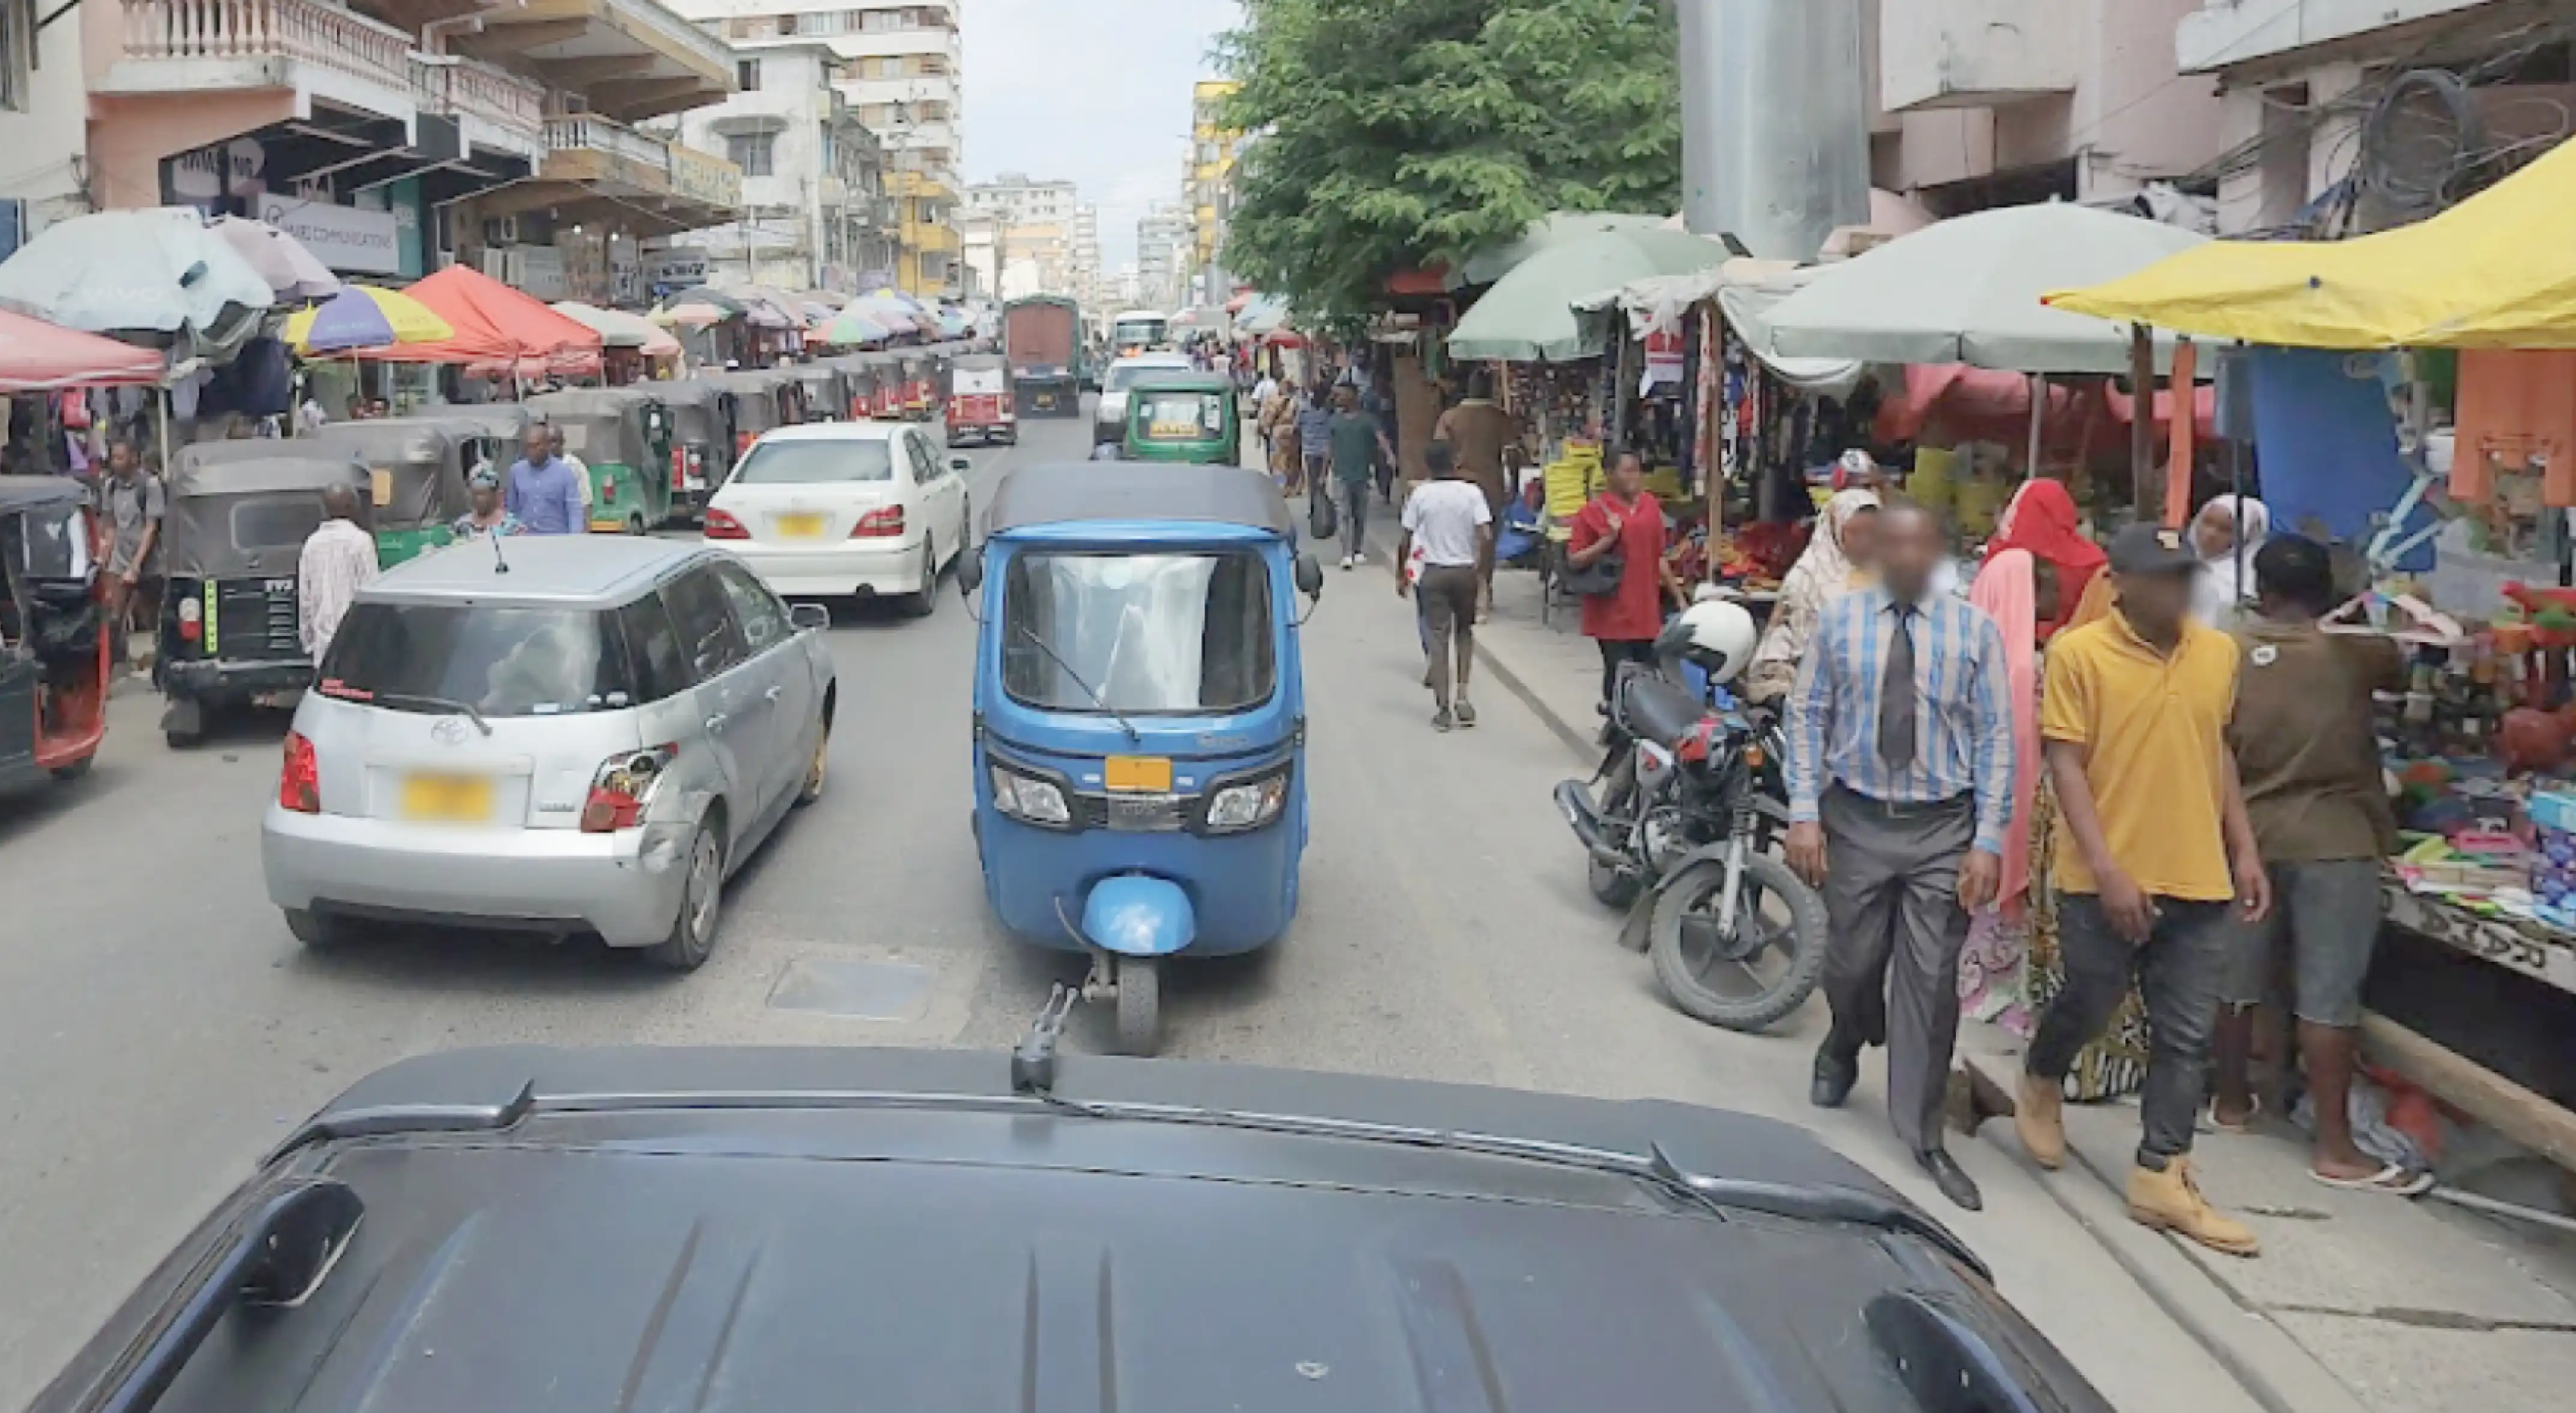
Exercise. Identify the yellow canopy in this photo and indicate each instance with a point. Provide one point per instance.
(2495, 271)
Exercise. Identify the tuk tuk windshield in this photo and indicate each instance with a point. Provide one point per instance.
(821, 461)
(502, 661)
(274, 522)
(1170, 633)
(1179, 416)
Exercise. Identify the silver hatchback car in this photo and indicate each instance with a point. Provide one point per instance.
(574, 733)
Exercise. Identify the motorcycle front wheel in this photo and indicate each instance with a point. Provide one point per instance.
(1744, 973)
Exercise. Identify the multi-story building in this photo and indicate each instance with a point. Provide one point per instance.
(814, 211)
(902, 61)
(1164, 243)
(1036, 220)
(980, 253)
(388, 135)
(1981, 103)
(1086, 255)
(1213, 149)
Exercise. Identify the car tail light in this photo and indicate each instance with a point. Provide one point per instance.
(879, 524)
(608, 491)
(679, 468)
(720, 525)
(623, 787)
(192, 624)
(299, 779)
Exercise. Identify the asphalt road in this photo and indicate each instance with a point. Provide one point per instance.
(159, 1028)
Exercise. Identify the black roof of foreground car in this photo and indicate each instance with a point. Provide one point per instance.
(530, 1229)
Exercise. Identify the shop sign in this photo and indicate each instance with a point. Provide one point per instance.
(1664, 359)
(676, 267)
(209, 174)
(343, 237)
(700, 177)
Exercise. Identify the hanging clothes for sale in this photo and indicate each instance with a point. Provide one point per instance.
(2325, 433)
(257, 383)
(2516, 407)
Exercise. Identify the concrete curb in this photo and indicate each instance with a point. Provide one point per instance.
(2272, 1368)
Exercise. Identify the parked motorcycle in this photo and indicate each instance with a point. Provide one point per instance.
(1690, 796)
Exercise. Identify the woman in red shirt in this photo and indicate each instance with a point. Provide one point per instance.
(1625, 519)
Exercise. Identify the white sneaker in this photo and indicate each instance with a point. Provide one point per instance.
(1348, 560)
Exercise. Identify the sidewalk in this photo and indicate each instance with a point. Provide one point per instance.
(2358, 1302)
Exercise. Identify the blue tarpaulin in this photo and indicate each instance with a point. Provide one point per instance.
(2325, 436)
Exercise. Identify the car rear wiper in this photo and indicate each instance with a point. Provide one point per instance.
(1097, 700)
(463, 709)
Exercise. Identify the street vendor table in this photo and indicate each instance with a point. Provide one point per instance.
(2534, 949)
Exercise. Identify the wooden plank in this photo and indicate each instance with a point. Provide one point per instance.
(2527, 1118)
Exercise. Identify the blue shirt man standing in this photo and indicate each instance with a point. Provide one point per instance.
(544, 492)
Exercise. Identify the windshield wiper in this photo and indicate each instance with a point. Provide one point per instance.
(463, 709)
(1097, 700)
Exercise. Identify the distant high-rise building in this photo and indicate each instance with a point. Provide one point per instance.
(1164, 243)
(1035, 227)
(1213, 150)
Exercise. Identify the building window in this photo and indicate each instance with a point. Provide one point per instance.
(931, 63)
(888, 66)
(746, 75)
(755, 152)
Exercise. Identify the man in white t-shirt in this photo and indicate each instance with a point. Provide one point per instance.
(580, 471)
(1448, 519)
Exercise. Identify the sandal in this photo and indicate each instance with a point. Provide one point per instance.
(2391, 1179)
(2219, 1125)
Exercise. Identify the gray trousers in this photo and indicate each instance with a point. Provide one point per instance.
(1892, 961)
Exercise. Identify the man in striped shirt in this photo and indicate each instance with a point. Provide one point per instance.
(1900, 773)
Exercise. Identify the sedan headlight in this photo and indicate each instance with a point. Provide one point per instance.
(1026, 798)
(1250, 805)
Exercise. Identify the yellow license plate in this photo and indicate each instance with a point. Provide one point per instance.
(801, 527)
(1174, 431)
(1142, 773)
(447, 799)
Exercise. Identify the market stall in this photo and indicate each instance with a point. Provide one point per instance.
(2413, 395)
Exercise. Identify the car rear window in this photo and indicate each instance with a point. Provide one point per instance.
(818, 462)
(501, 661)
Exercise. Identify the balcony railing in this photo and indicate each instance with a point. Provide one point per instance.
(303, 30)
(480, 90)
(588, 132)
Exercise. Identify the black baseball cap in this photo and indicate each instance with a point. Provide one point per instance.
(2151, 549)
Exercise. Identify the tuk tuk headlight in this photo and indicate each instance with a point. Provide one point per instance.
(1029, 799)
(1247, 804)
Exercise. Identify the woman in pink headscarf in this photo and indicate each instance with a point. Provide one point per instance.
(2019, 593)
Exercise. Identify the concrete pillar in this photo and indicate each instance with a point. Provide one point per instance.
(1775, 122)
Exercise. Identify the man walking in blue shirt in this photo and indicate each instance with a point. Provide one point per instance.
(1901, 764)
(544, 491)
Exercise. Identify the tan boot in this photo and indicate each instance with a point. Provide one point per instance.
(2039, 1117)
(2171, 1201)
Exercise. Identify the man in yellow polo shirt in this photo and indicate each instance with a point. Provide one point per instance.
(2154, 850)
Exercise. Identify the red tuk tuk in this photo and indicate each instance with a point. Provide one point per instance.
(980, 400)
(56, 645)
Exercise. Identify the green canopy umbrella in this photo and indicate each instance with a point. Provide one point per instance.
(1528, 316)
(1553, 229)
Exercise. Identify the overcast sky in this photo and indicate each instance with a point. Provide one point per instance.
(1092, 91)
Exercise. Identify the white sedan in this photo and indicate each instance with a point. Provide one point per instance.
(832, 509)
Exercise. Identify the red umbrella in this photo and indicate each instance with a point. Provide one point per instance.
(494, 324)
(36, 356)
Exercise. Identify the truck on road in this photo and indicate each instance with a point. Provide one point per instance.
(1042, 338)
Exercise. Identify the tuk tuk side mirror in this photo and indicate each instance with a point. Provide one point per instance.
(1310, 575)
(970, 573)
(809, 615)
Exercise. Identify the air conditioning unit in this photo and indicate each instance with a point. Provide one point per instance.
(501, 230)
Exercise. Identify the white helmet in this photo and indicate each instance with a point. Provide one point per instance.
(1715, 633)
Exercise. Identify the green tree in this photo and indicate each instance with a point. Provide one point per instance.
(1396, 133)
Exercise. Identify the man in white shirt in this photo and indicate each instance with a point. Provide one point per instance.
(1448, 518)
(580, 471)
(339, 559)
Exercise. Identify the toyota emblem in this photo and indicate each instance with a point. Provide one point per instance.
(448, 732)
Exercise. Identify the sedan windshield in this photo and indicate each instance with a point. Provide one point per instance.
(1185, 633)
(1123, 376)
(807, 463)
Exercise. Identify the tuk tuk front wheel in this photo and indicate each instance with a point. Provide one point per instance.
(1140, 1006)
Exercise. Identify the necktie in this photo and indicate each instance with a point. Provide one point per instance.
(1896, 694)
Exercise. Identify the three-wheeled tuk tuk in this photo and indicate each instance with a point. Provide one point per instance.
(237, 519)
(701, 438)
(624, 436)
(826, 392)
(979, 400)
(858, 385)
(919, 388)
(55, 647)
(885, 387)
(1139, 757)
(418, 466)
(1186, 417)
(764, 399)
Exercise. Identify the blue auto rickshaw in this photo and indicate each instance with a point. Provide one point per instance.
(1140, 718)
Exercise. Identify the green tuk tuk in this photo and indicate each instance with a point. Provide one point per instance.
(237, 516)
(418, 466)
(702, 454)
(1185, 417)
(624, 436)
